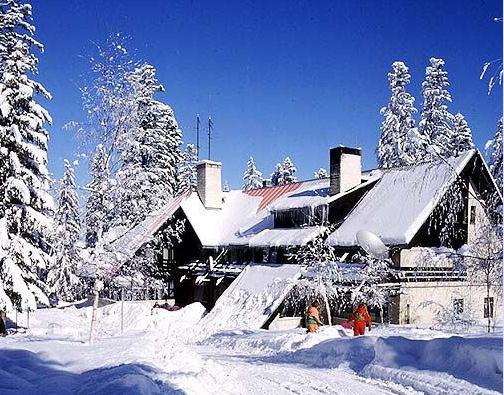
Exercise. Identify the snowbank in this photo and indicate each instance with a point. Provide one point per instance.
(137, 317)
(266, 342)
(424, 365)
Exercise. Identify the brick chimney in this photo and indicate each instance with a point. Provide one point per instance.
(345, 169)
(209, 183)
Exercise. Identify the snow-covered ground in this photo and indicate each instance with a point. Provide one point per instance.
(162, 352)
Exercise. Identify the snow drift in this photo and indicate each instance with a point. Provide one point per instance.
(475, 360)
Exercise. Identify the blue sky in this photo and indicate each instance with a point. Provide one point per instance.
(278, 77)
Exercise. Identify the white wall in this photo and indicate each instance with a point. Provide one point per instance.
(426, 298)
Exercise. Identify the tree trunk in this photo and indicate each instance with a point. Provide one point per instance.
(488, 305)
(93, 314)
(327, 307)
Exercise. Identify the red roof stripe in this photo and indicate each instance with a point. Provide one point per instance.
(269, 195)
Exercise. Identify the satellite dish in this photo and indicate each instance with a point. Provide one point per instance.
(372, 244)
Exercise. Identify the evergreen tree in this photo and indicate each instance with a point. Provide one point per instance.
(284, 173)
(25, 204)
(462, 135)
(150, 153)
(436, 122)
(495, 148)
(252, 178)
(98, 204)
(187, 170)
(320, 173)
(288, 171)
(276, 176)
(396, 146)
(62, 277)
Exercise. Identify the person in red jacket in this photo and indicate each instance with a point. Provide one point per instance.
(360, 319)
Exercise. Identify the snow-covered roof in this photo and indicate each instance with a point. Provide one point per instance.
(282, 237)
(307, 194)
(129, 242)
(400, 202)
(252, 298)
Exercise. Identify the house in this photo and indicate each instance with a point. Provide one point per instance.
(406, 207)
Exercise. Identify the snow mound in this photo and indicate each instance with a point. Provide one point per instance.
(137, 317)
(266, 342)
(425, 365)
(25, 372)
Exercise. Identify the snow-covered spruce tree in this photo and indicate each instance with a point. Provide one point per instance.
(288, 171)
(276, 176)
(462, 136)
(252, 178)
(187, 174)
(436, 122)
(494, 148)
(25, 204)
(320, 173)
(62, 277)
(396, 146)
(98, 205)
(322, 276)
(149, 153)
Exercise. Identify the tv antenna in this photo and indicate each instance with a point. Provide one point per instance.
(198, 124)
(210, 128)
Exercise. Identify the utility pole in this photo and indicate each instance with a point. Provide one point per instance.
(210, 127)
(198, 123)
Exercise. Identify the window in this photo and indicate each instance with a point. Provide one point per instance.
(488, 308)
(458, 306)
(168, 255)
(472, 215)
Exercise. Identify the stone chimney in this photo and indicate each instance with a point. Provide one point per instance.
(209, 183)
(345, 169)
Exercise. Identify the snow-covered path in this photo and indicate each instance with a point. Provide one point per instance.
(165, 352)
(260, 377)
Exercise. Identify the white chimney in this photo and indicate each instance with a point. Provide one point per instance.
(345, 169)
(209, 183)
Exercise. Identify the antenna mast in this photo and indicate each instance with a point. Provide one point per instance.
(197, 135)
(210, 127)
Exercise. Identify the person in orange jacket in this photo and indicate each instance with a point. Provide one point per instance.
(313, 318)
(360, 319)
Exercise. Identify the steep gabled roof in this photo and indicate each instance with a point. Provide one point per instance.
(400, 202)
(130, 241)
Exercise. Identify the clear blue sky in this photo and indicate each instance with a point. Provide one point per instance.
(278, 77)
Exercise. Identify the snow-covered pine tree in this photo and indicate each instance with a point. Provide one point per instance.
(288, 171)
(436, 122)
(25, 204)
(495, 152)
(150, 153)
(396, 146)
(62, 277)
(276, 176)
(462, 135)
(98, 204)
(252, 178)
(187, 170)
(320, 173)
